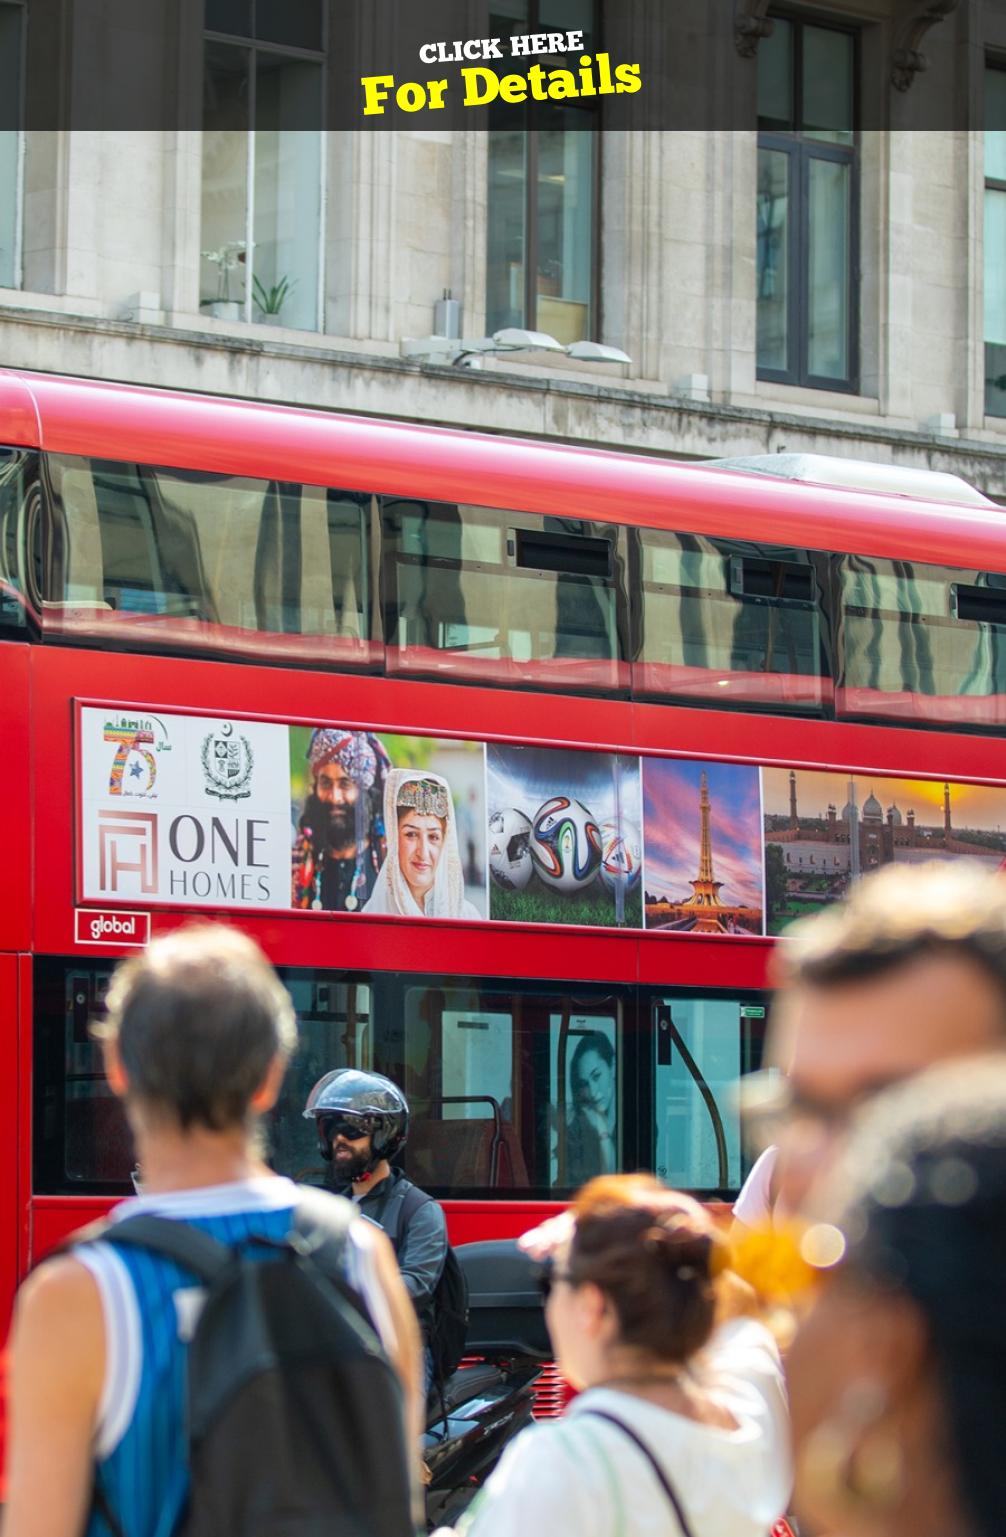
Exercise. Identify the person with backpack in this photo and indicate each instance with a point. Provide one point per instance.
(228, 1353)
(362, 1120)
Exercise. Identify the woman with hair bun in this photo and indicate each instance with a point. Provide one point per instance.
(680, 1427)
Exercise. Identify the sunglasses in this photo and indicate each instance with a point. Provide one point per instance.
(351, 1127)
(548, 1276)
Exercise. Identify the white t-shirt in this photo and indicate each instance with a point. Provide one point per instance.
(583, 1477)
(754, 1206)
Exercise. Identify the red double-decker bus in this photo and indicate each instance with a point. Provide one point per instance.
(655, 710)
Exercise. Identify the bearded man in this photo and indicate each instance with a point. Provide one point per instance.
(340, 843)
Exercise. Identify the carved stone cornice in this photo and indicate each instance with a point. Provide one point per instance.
(913, 22)
(751, 24)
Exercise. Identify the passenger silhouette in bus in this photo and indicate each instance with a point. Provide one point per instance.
(422, 876)
(340, 845)
(590, 1133)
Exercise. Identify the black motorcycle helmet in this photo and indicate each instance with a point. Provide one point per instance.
(374, 1102)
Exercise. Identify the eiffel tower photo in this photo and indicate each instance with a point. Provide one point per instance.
(703, 912)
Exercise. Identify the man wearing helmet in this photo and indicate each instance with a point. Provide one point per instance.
(362, 1120)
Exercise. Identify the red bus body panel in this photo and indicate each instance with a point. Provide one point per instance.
(15, 796)
(15, 998)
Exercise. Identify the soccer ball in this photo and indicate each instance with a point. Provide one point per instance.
(621, 855)
(566, 844)
(510, 849)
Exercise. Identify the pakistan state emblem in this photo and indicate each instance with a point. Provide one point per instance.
(227, 764)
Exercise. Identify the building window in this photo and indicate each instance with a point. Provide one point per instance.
(995, 242)
(807, 206)
(12, 19)
(542, 268)
(263, 161)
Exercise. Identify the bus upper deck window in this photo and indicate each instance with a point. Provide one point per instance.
(503, 597)
(731, 622)
(192, 559)
(922, 643)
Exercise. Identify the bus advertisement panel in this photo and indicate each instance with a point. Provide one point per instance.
(196, 811)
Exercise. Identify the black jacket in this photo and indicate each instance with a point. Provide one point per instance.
(421, 1248)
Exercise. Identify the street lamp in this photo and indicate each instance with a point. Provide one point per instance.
(469, 351)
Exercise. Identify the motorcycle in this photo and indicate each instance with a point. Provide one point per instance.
(490, 1398)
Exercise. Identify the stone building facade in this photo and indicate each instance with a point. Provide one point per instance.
(876, 253)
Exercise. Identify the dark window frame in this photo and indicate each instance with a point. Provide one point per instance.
(318, 56)
(255, 44)
(14, 113)
(800, 149)
(995, 63)
(531, 233)
(21, 9)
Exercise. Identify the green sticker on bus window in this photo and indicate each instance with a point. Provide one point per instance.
(752, 1011)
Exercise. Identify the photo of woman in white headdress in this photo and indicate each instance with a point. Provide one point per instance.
(422, 876)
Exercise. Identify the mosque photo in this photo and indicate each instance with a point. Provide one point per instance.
(822, 831)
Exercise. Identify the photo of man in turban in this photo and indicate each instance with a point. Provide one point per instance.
(340, 845)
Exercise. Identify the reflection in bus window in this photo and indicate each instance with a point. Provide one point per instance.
(333, 1022)
(735, 622)
(186, 557)
(478, 593)
(82, 1139)
(19, 533)
(698, 1055)
(925, 642)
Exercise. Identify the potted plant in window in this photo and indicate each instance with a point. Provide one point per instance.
(225, 259)
(270, 301)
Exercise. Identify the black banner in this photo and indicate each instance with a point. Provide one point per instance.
(369, 65)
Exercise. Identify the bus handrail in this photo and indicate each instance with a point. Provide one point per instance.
(708, 1097)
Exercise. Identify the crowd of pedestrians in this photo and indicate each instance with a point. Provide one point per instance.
(883, 1116)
